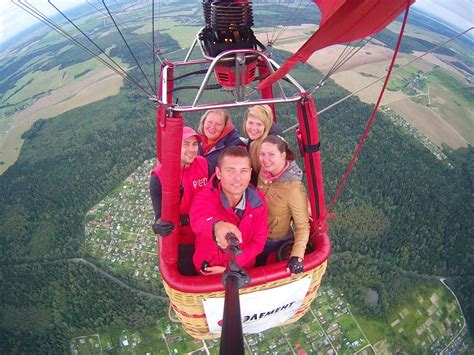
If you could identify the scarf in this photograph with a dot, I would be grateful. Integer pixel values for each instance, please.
(207, 145)
(270, 178)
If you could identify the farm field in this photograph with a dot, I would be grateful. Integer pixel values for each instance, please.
(450, 117)
(45, 90)
(94, 86)
(43, 94)
(48, 93)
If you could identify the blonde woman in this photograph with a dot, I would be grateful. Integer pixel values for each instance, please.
(257, 125)
(217, 132)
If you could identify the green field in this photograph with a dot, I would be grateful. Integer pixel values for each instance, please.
(133, 341)
(396, 84)
(344, 333)
(427, 314)
(441, 92)
(162, 24)
(454, 100)
(375, 329)
(184, 35)
(454, 85)
(41, 82)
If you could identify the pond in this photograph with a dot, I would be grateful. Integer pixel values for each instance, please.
(372, 296)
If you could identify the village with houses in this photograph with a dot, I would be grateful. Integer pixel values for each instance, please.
(409, 129)
(119, 240)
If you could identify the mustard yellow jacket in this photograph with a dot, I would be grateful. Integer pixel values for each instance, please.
(287, 205)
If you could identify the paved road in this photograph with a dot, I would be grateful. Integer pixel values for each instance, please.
(116, 280)
(443, 280)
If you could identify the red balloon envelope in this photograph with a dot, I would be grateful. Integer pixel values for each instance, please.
(342, 21)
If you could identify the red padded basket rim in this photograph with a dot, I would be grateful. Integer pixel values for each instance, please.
(258, 275)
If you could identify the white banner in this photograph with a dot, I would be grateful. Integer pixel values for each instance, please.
(261, 310)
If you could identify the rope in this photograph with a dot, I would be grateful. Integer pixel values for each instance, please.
(294, 14)
(126, 43)
(374, 112)
(281, 17)
(90, 40)
(381, 77)
(44, 19)
(153, 41)
(343, 58)
(125, 12)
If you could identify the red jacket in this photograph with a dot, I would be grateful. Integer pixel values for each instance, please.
(211, 205)
(193, 178)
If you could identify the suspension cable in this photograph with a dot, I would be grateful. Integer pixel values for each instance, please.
(158, 51)
(346, 55)
(374, 112)
(96, 7)
(297, 10)
(153, 41)
(348, 52)
(344, 58)
(279, 14)
(125, 12)
(45, 20)
(90, 40)
(381, 77)
(126, 43)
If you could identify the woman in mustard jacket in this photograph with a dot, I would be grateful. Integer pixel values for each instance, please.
(280, 180)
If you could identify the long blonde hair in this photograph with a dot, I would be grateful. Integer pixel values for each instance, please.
(265, 115)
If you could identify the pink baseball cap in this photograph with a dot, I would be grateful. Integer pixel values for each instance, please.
(189, 132)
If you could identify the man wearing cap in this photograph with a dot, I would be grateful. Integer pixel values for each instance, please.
(194, 176)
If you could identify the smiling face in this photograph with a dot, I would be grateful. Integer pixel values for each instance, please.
(272, 160)
(213, 126)
(234, 173)
(254, 127)
(189, 150)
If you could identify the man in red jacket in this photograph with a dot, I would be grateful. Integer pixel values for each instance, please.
(194, 176)
(228, 205)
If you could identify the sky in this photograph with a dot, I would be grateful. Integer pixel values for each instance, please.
(459, 13)
(14, 20)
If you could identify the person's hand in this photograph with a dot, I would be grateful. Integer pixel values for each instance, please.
(213, 270)
(184, 220)
(221, 229)
(163, 228)
(295, 265)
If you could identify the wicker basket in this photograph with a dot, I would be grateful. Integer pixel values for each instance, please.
(190, 310)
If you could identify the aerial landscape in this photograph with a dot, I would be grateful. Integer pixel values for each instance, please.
(79, 267)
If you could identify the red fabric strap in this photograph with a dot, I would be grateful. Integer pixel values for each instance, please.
(374, 112)
(342, 21)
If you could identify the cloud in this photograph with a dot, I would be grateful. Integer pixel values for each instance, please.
(13, 19)
(458, 13)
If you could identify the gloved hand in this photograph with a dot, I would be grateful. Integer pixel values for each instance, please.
(295, 265)
(162, 228)
(184, 220)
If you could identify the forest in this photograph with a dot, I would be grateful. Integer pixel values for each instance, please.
(403, 215)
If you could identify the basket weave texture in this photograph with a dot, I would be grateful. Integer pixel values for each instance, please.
(190, 310)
